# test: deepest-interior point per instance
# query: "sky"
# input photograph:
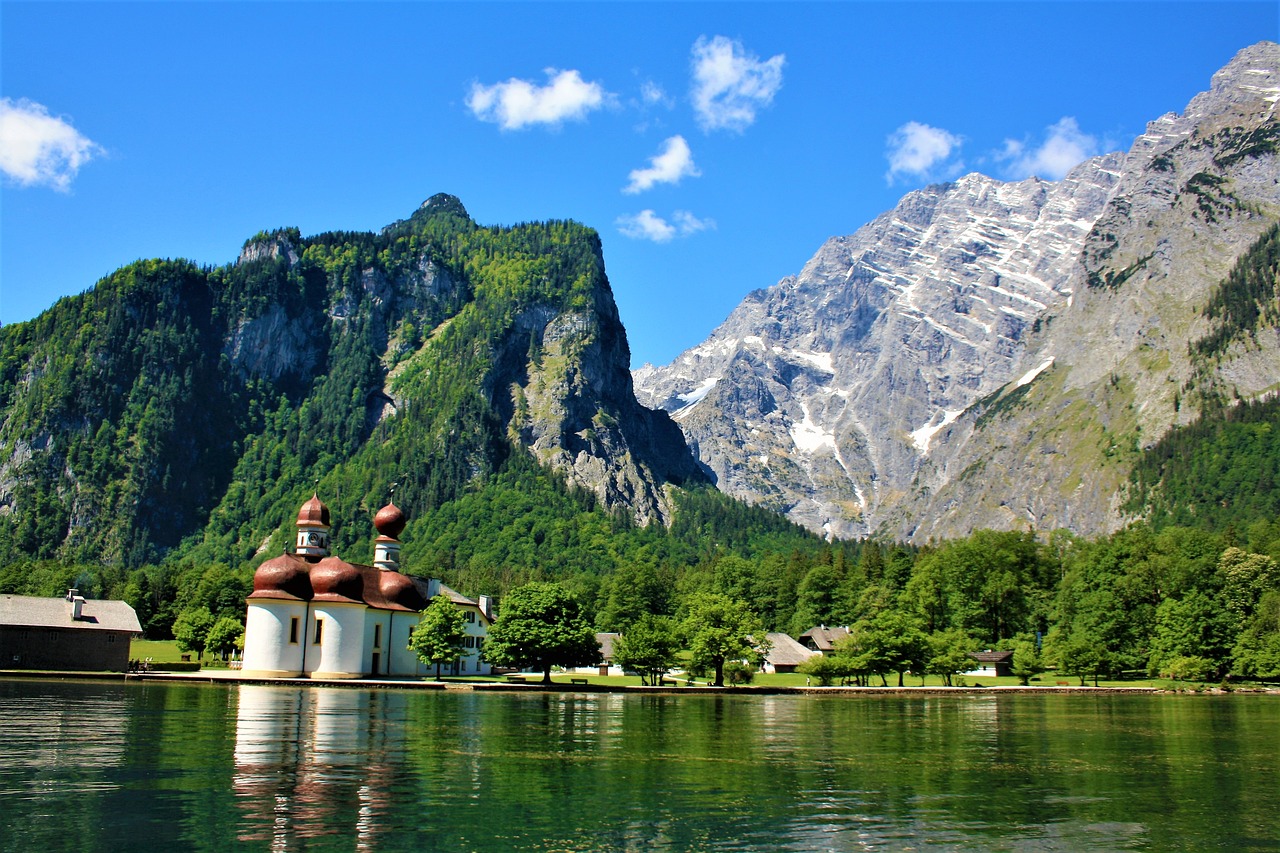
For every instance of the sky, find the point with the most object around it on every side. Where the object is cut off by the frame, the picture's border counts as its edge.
(713, 146)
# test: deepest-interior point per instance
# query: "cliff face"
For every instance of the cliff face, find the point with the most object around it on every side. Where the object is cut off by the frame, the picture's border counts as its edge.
(176, 403)
(988, 354)
(821, 394)
(1196, 191)
(562, 386)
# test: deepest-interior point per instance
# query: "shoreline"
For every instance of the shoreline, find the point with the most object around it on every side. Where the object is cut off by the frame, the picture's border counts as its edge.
(232, 677)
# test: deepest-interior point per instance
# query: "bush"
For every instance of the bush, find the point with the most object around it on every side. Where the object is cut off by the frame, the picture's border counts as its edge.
(737, 672)
(1187, 668)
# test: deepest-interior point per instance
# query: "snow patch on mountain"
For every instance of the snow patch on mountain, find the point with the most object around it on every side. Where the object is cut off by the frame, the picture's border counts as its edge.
(922, 436)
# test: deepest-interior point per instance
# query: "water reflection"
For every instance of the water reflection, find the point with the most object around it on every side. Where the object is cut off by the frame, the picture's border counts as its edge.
(67, 747)
(113, 767)
(315, 761)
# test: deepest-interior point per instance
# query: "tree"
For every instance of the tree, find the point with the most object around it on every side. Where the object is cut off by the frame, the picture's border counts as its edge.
(1076, 654)
(648, 647)
(826, 668)
(893, 641)
(634, 590)
(815, 598)
(541, 625)
(719, 628)
(1194, 626)
(1026, 660)
(224, 635)
(1245, 577)
(437, 639)
(949, 653)
(1257, 651)
(191, 630)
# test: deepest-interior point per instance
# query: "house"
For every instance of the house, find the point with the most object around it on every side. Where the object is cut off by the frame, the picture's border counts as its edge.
(312, 614)
(785, 653)
(606, 641)
(991, 664)
(823, 639)
(69, 633)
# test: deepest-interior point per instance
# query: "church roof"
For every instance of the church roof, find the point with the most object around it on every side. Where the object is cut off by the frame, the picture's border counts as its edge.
(24, 611)
(313, 512)
(288, 578)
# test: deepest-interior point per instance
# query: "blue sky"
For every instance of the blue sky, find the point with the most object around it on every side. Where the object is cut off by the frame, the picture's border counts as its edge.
(713, 146)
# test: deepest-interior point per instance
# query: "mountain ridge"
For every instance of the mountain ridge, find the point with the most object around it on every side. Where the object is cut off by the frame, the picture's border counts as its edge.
(182, 407)
(851, 396)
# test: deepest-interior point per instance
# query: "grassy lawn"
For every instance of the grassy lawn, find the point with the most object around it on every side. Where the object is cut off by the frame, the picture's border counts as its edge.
(160, 651)
(167, 651)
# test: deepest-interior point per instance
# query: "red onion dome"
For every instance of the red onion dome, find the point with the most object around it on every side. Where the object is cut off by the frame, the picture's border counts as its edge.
(313, 512)
(390, 521)
(400, 589)
(332, 578)
(282, 577)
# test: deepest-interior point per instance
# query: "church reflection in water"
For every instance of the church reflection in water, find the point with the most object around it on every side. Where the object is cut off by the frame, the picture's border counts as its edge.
(315, 761)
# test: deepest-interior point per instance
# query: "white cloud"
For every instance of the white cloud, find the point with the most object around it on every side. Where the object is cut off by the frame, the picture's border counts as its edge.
(688, 224)
(516, 103)
(1065, 147)
(729, 84)
(654, 95)
(921, 151)
(646, 225)
(39, 149)
(674, 162)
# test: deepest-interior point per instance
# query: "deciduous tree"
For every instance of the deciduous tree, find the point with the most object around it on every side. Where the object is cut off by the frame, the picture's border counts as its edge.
(437, 639)
(224, 635)
(540, 625)
(191, 630)
(648, 647)
(719, 628)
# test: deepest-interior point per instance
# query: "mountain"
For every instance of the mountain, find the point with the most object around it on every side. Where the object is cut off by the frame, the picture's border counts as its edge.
(181, 409)
(993, 354)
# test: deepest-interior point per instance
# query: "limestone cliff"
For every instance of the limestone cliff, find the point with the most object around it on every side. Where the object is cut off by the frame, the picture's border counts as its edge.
(987, 353)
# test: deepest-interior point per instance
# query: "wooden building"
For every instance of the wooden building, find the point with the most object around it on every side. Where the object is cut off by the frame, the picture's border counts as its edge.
(69, 633)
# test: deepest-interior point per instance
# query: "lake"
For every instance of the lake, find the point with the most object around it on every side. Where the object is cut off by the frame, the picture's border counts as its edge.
(97, 765)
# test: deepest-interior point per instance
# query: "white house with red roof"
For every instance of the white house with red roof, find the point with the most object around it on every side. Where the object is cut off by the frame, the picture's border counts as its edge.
(312, 614)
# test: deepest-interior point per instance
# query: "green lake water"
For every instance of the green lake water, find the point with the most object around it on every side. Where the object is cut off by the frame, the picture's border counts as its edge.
(92, 766)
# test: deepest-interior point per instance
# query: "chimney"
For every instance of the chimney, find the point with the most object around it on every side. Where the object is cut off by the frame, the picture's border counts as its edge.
(486, 606)
(77, 606)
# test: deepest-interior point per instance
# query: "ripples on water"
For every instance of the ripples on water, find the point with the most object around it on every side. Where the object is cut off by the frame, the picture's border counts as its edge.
(114, 766)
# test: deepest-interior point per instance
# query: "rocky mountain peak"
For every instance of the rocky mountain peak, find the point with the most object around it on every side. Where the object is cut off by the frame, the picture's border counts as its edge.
(849, 395)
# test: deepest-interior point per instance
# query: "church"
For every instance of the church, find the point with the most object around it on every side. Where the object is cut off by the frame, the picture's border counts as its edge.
(313, 615)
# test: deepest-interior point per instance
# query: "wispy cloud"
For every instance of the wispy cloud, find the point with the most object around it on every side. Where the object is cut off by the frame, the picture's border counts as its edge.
(917, 150)
(647, 225)
(517, 104)
(730, 85)
(651, 94)
(37, 149)
(669, 166)
(1065, 146)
